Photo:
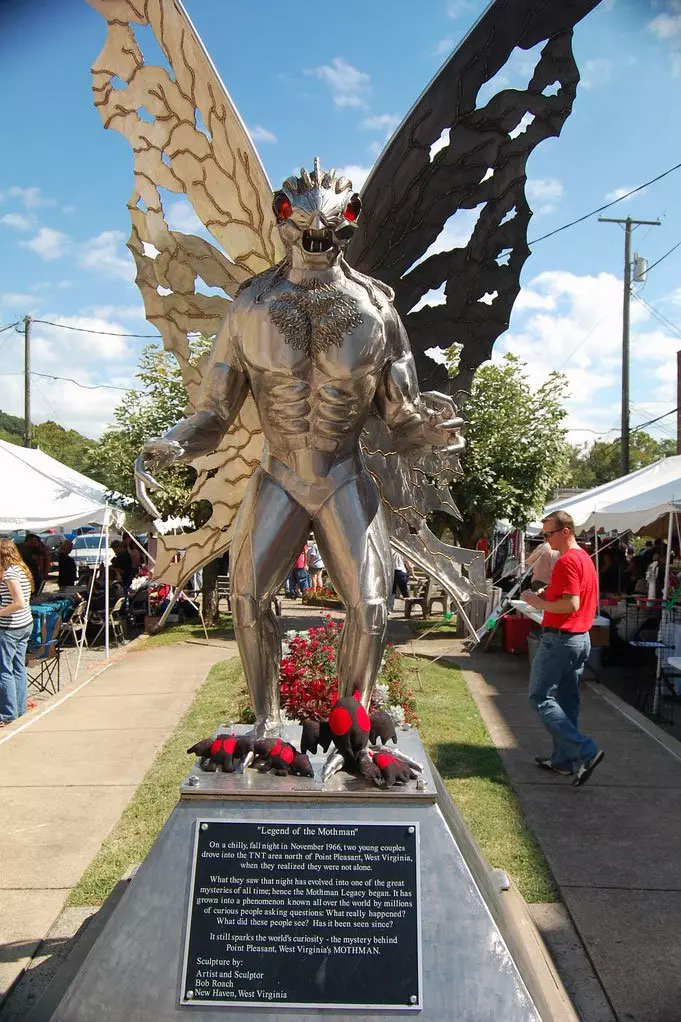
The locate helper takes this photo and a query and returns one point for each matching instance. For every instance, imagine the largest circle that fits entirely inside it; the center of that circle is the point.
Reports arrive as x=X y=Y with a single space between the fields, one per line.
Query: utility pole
x=628 y=224
x=27 y=381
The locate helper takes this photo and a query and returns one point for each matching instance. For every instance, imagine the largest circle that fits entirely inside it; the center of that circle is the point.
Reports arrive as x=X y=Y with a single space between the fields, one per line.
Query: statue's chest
x=324 y=328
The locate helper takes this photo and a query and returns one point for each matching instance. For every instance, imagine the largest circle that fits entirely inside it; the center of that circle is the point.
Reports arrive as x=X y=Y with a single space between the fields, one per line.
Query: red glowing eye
x=353 y=208
x=282 y=206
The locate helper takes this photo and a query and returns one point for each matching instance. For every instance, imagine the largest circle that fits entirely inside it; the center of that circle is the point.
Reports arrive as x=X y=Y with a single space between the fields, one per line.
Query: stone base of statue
x=274 y=896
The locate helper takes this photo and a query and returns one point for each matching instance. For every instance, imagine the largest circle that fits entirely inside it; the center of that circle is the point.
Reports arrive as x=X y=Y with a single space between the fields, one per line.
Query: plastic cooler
x=515 y=632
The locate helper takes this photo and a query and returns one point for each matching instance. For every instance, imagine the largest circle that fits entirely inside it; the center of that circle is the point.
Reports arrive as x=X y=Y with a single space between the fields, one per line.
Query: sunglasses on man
x=545 y=535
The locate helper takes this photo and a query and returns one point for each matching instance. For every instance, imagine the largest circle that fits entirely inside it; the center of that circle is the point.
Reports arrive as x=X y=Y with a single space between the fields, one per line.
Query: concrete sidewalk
x=68 y=770
x=614 y=846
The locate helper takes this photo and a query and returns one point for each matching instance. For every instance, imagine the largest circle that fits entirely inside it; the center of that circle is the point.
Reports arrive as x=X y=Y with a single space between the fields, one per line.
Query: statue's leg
x=269 y=534
x=353 y=540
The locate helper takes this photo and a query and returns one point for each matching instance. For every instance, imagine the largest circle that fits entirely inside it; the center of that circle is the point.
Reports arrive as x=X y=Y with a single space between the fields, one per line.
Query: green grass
x=220 y=698
x=437 y=628
x=451 y=729
x=457 y=741
x=180 y=633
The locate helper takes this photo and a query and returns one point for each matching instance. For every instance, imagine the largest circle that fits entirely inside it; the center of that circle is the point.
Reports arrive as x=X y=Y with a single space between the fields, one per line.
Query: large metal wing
x=450 y=156
x=480 y=165
x=188 y=140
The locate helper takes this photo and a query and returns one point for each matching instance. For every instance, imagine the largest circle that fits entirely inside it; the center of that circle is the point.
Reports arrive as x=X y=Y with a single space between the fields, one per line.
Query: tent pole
x=106 y=582
x=663 y=617
x=668 y=559
x=598 y=571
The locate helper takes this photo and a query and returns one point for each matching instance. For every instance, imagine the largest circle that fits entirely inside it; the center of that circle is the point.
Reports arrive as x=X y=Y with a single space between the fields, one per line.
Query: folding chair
x=115 y=622
x=43 y=657
x=75 y=626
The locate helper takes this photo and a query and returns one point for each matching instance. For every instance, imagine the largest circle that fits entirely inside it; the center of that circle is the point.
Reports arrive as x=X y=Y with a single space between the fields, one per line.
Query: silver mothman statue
x=318 y=346
x=309 y=411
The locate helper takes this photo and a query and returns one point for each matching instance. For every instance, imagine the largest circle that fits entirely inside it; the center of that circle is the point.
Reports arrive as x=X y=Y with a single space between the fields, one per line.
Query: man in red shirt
x=569 y=604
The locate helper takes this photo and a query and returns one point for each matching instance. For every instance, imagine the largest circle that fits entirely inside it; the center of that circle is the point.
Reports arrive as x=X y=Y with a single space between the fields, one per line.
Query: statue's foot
x=398 y=754
x=266 y=727
x=334 y=763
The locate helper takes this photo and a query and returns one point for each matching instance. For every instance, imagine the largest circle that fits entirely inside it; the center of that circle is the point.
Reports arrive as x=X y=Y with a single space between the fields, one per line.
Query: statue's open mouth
x=317 y=241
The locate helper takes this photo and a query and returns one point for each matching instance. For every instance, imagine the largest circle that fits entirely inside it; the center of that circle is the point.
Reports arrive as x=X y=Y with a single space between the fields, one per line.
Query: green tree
x=146 y=413
x=142 y=414
x=66 y=445
x=598 y=463
x=515 y=447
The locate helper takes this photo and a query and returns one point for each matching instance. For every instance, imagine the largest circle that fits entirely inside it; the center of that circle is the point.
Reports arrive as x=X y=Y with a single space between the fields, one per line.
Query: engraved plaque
x=304 y=915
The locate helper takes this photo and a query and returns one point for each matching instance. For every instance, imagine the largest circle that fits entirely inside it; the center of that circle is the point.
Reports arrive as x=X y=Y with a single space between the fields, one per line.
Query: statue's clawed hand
x=156 y=455
x=441 y=424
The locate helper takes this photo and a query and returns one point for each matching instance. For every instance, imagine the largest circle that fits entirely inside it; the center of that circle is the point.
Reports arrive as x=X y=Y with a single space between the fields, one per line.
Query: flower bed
x=324 y=597
x=308 y=679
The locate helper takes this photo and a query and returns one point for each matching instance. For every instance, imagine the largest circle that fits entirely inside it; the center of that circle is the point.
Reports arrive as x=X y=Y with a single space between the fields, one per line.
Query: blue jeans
x=557 y=668
x=13 y=682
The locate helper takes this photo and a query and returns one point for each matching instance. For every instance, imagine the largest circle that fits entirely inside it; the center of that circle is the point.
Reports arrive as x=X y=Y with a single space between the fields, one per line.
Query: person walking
x=569 y=606
x=315 y=565
x=16 y=625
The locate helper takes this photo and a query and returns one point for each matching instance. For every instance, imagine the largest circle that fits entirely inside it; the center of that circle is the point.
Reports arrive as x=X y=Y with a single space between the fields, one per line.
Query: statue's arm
x=415 y=420
x=223 y=391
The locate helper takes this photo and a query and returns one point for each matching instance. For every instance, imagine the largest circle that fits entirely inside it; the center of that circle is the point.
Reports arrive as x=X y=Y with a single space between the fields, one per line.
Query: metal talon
x=333 y=765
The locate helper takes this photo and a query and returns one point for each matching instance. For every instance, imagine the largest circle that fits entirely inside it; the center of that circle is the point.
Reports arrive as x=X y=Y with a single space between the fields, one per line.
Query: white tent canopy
x=629 y=503
x=40 y=493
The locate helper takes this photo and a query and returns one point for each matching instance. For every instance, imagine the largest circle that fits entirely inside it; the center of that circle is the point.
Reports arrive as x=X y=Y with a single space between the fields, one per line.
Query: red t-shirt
x=300 y=563
x=573 y=575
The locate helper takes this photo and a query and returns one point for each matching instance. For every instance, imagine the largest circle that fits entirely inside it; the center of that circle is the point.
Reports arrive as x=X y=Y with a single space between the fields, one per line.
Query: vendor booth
x=41 y=493
x=646 y=502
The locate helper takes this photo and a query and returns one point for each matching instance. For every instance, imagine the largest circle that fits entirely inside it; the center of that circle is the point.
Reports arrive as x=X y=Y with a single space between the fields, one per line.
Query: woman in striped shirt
x=16 y=625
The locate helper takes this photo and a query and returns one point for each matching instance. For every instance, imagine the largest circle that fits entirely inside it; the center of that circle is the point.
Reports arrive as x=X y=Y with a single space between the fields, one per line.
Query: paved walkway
x=614 y=846
x=67 y=771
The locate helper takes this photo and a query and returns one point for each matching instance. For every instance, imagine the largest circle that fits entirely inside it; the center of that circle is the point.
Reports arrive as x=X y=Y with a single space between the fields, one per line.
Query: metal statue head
x=316 y=215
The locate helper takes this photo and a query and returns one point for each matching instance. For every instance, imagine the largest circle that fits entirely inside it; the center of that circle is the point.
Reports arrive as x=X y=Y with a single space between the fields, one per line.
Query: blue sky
x=336 y=86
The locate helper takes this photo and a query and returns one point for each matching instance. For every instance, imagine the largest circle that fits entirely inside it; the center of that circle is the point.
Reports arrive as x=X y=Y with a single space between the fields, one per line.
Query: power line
x=9 y=326
x=659 y=316
x=101 y=333
x=85 y=386
x=649 y=268
x=650 y=422
x=600 y=209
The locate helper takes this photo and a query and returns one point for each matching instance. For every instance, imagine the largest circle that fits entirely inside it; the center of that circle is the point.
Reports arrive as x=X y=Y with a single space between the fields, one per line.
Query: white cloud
x=348 y=84
x=355 y=173
x=260 y=134
x=104 y=253
x=48 y=243
x=180 y=216
x=574 y=324
x=18 y=221
x=455 y=9
x=444 y=47
x=544 y=193
x=17 y=298
x=619 y=193
x=381 y=122
x=595 y=72
x=88 y=411
x=667 y=27
x=92 y=339
x=113 y=311
x=31 y=198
